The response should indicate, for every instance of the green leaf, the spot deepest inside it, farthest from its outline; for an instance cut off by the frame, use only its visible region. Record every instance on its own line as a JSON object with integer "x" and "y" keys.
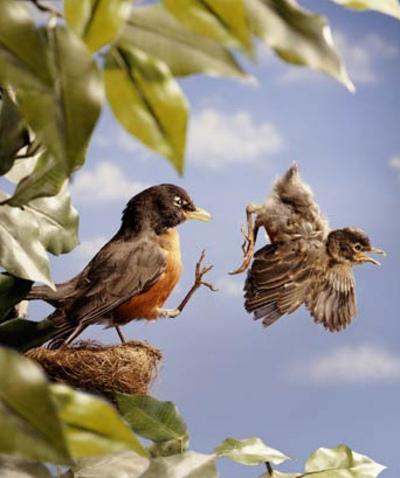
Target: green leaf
{"x": 153, "y": 419}
{"x": 12, "y": 291}
{"x": 46, "y": 179}
{"x": 12, "y": 467}
{"x": 97, "y": 22}
{"x": 30, "y": 426}
{"x": 186, "y": 465}
{"x": 341, "y": 462}
{"x": 147, "y": 101}
{"x": 22, "y": 334}
{"x": 23, "y": 61}
{"x": 297, "y": 36}
{"x": 155, "y": 31}
{"x": 13, "y": 132}
{"x": 57, "y": 218}
{"x": 250, "y": 451}
{"x": 170, "y": 447}
{"x": 62, "y": 116}
{"x": 58, "y": 222}
{"x": 388, "y": 7}
{"x": 117, "y": 465}
{"x": 222, "y": 20}
{"x": 22, "y": 253}
{"x": 43, "y": 224}
{"x": 92, "y": 426}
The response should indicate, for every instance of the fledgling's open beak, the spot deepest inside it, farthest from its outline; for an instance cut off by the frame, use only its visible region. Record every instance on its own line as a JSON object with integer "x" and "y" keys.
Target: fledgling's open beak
{"x": 362, "y": 257}
{"x": 199, "y": 214}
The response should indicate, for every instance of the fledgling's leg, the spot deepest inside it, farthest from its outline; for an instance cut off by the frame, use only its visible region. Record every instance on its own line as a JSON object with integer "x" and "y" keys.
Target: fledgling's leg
{"x": 250, "y": 236}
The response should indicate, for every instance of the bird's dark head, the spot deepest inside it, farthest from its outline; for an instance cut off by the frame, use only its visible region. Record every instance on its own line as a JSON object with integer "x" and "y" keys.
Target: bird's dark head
{"x": 351, "y": 245}
{"x": 160, "y": 208}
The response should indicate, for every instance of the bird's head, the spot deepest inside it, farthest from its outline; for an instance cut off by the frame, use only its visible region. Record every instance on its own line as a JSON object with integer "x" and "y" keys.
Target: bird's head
{"x": 351, "y": 245}
{"x": 161, "y": 207}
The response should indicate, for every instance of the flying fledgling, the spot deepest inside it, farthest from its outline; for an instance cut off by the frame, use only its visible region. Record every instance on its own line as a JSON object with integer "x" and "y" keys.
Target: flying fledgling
{"x": 305, "y": 263}
{"x": 131, "y": 276}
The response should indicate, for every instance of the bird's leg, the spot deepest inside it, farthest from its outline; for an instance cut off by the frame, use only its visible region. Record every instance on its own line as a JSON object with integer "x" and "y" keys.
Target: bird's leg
{"x": 120, "y": 334}
{"x": 78, "y": 330}
{"x": 250, "y": 237}
{"x": 200, "y": 271}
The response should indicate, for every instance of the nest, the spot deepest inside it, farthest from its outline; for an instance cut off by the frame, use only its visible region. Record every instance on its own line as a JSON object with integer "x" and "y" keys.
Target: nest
{"x": 103, "y": 370}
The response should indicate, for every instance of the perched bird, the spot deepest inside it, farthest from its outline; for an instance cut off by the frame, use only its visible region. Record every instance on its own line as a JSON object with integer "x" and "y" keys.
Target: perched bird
{"x": 134, "y": 273}
{"x": 305, "y": 263}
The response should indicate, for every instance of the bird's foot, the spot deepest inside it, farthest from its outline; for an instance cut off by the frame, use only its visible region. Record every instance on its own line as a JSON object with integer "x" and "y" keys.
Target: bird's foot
{"x": 249, "y": 238}
{"x": 168, "y": 313}
{"x": 200, "y": 272}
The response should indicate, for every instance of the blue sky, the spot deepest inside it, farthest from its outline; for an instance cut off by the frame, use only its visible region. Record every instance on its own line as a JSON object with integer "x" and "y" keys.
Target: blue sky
{"x": 295, "y": 385}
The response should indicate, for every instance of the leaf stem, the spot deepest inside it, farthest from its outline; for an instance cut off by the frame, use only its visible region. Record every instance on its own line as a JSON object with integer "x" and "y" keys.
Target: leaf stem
{"x": 269, "y": 468}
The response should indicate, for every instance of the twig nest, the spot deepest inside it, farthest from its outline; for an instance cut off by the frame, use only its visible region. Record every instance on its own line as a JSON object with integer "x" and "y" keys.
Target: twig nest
{"x": 101, "y": 369}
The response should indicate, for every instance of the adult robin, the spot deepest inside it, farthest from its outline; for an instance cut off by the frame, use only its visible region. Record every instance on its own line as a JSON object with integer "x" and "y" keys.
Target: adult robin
{"x": 305, "y": 263}
{"x": 134, "y": 273}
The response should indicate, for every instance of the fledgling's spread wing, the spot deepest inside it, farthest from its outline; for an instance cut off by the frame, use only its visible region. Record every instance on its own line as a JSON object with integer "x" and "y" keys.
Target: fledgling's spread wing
{"x": 332, "y": 301}
{"x": 291, "y": 211}
{"x": 278, "y": 281}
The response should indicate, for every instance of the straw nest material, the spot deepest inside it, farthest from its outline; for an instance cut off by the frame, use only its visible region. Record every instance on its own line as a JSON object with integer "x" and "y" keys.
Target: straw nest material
{"x": 101, "y": 369}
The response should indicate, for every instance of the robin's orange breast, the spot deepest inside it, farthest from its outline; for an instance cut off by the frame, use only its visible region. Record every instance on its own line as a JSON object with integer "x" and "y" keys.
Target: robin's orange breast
{"x": 146, "y": 305}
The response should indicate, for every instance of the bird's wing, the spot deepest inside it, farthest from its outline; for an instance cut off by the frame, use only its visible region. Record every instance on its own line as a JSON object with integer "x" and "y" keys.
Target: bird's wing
{"x": 291, "y": 211}
{"x": 118, "y": 272}
{"x": 332, "y": 301}
{"x": 279, "y": 279}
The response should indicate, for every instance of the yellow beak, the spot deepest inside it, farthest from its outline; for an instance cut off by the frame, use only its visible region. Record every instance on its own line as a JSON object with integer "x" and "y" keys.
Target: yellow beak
{"x": 199, "y": 214}
{"x": 362, "y": 257}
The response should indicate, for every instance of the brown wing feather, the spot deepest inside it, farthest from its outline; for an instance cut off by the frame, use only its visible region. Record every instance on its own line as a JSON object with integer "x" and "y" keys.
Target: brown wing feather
{"x": 279, "y": 279}
{"x": 119, "y": 271}
{"x": 332, "y": 302}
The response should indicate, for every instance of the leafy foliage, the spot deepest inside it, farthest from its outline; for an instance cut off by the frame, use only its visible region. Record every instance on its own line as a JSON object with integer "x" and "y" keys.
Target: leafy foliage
{"x": 22, "y": 334}
{"x": 297, "y": 36}
{"x": 251, "y": 451}
{"x": 388, "y": 7}
{"x": 221, "y": 20}
{"x": 12, "y": 291}
{"x": 92, "y": 426}
{"x": 144, "y": 97}
{"x": 13, "y": 132}
{"x": 56, "y": 424}
{"x": 30, "y": 425}
{"x": 341, "y": 462}
{"x": 96, "y": 22}
{"x": 155, "y": 31}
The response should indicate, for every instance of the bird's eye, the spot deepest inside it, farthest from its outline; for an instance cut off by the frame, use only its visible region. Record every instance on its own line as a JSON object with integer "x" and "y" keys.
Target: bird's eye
{"x": 178, "y": 201}
{"x": 358, "y": 247}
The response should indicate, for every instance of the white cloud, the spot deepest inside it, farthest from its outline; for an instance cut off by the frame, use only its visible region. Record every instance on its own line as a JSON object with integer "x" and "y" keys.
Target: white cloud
{"x": 89, "y": 247}
{"x": 352, "y": 365}
{"x": 217, "y": 139}
{"x": 230, "y": 287}
{"x": 394, "y": 163}
{"x": 361, "y": 58}
{"x": 106, "y": 182}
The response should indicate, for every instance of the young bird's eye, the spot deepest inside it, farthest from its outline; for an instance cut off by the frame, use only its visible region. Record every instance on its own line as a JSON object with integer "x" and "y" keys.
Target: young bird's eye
{"x": 358, "y": 247}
